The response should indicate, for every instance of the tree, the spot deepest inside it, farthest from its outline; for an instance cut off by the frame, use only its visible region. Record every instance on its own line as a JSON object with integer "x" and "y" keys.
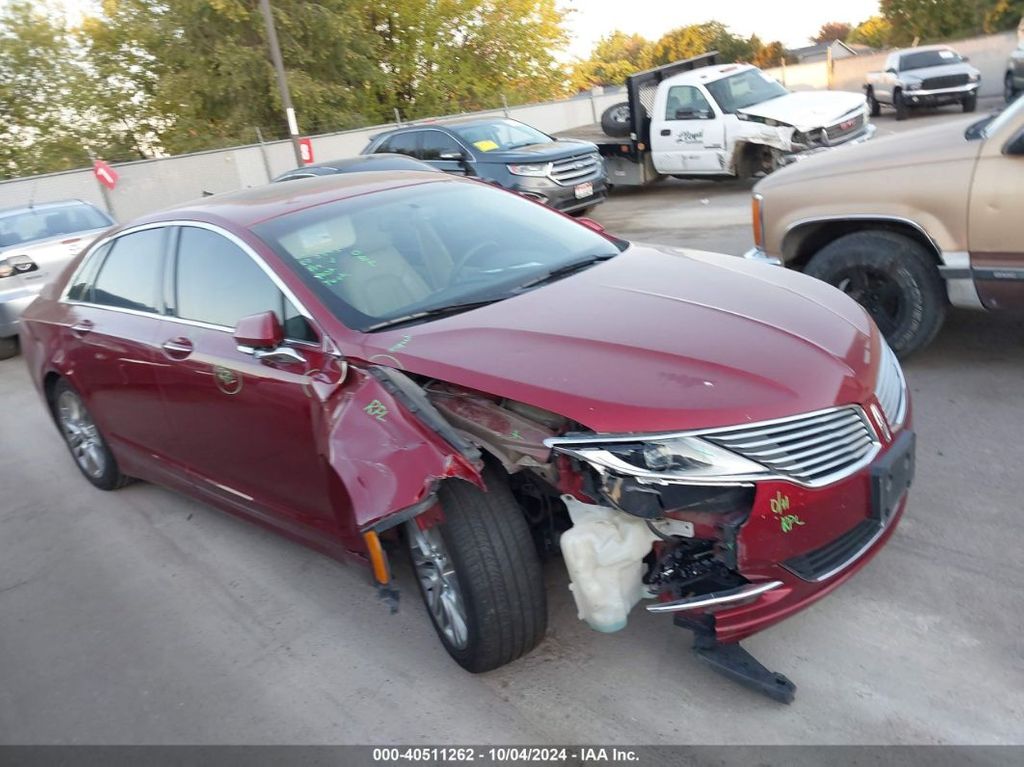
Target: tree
{"x": 770, "y": 55}
{"x": 933, "y": 20}
{"x": 613, "y": 58}
{"x": 687, "y": 42}
{"x": 875, "y": 32}
{"x": 1004, "y": 15}
{"x": 832, "y": 30}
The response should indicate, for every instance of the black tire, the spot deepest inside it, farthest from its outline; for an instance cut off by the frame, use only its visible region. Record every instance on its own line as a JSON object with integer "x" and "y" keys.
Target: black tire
{"x": 900, "y": 105}
{"x": 616, "y": 119}
{"x": 970, "y": 103}
{"x": 498, "y": 574}
{"x": 873, "y": 105}
{"x": 108, "y": 476}
{"x": 894, "y": 278}
{"x": 8, "y": 347}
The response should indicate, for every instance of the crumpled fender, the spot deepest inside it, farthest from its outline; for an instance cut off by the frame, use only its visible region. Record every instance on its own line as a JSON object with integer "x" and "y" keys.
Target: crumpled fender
{"x": 391, "y": 448}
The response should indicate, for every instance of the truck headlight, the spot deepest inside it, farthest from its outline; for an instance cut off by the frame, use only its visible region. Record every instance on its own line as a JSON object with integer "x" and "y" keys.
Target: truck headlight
{"x": 530, "y": 169}
{"x": 974, "y": 77}
{"x": 16, "y": 265}
{"x": 911, "y": 85}
{"x": 664, "y": 459}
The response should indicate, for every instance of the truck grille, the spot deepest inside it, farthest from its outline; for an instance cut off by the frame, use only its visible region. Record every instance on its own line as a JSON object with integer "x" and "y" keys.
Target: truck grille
{"x": 576, "y": 169}
{"x": 821, "y": 563}
{"x": 845, "y": 128}
{"x": 946, "y": 81}
{"x": 814, "y": 449}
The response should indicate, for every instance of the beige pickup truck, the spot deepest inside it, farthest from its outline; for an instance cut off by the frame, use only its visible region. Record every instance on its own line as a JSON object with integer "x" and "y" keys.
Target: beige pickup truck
{"x": 907, "y": 224}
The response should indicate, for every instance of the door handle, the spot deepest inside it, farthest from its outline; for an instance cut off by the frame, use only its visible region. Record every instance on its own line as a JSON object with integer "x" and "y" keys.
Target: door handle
{"x": 82, "y": 328}
{"x": 666, "y": 131}
{"x": 177, "y": 348}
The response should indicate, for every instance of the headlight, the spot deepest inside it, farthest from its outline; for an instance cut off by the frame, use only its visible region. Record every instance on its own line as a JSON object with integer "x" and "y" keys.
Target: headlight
{"x": 911, "y": 85}
{"x": 16, "y": 265}
{"x": 664, "y": 459}
{"x": 530, "y": 169}
{"x": 891, "y": 388}
{"x": 755, "y": 119}
{"x": 974, "y": 77}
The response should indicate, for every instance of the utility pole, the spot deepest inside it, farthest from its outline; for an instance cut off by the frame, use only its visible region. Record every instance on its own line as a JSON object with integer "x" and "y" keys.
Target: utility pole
{"x": 282, "y": 80}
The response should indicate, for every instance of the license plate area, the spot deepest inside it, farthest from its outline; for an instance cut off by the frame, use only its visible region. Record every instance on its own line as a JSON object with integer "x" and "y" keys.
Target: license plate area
{"x": 891, "y": 476}
{"x": 584, "y": 190}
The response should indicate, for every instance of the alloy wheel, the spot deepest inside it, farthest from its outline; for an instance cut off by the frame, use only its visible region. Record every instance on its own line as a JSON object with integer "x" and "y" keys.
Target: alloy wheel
{"x": 441, "y": 592}
{"x": 81, "y": 434}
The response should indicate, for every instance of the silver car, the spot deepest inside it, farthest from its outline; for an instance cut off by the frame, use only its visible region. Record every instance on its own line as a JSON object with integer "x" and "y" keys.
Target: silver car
{"x": 36, "y": 242}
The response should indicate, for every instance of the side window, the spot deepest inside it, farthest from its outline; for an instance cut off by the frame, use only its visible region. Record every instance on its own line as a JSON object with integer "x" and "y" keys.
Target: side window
{"x": 686, "y": 102}
{"x": 131, "y": 273}
{"x": 81, "y": 288}
{"x": 402, "y": 143}
{"x": 893, "y": 62}
{"x": 217, "y": 282}
{"x": 436, "y": 143}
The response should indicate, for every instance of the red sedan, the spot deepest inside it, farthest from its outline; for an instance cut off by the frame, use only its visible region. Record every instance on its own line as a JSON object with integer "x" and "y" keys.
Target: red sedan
{"x": 382, "y": 360}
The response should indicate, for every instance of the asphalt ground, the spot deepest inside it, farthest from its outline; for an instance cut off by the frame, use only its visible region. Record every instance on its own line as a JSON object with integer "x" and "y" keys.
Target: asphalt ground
{"x": 143, "y": 617}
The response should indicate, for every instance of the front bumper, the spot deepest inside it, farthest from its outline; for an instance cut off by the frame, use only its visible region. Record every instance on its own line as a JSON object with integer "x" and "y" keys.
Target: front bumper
{"x": 12, "y": 304}
{"x": 561, "y": 198}
{"x": 941, "y": 95}
{"x": 859, "y": 138}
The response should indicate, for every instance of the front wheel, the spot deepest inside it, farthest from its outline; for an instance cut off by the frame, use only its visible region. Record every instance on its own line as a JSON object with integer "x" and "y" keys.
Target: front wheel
{"x": 873, "y": 105}
{"x": 900, "y": 105}
{"x": 8, "y": 347}
{"x": 970, "y": 103}
{"x": 891, "y": 276}
{"x": 480, "y": 576}
{"x": 83, "y": 438}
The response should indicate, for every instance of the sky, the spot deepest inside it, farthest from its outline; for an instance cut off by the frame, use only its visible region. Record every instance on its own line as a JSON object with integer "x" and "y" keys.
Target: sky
{"x": 791, "y": 22}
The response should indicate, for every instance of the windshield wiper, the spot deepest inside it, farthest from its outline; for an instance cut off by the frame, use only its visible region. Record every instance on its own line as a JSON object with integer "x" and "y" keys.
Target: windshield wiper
{"x": 430, "y": 314}
{"x": 565, "y": 270}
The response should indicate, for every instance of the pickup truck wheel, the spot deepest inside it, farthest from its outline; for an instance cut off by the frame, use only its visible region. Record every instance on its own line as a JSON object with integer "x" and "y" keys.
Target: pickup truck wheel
{"x": 900, "y": 105}
{"x": 615, "y": 120}
{"x": 84, "y": 440}
{"x": 873, "y": 105}
{"x": 891, "y": 276}
{"x": 480, "y": 576}
{"x": 970, "y": 103}
{"x": 8, "y": 347}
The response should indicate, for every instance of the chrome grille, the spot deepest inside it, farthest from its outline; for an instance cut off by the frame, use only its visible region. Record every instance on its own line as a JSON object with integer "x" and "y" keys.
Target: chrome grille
{"x": 813, "y": 449}
{"x": 576, "y": 169}
{"x": 891, "y": 388}
{"x": 845, "y": 128}
{"x": 946, "y": 81}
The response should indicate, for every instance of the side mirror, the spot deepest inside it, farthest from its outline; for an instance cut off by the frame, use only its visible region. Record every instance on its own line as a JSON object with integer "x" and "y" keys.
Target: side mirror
{"x": 591, "y": 224}
{"x": 259, "y": 331}
{"x": 965, "y": 58}
{"x": 1015, "y": 146}
{"x": 694, "y": 114}
{"x": 457, "y": 156}
{"x": 891, "y": 71}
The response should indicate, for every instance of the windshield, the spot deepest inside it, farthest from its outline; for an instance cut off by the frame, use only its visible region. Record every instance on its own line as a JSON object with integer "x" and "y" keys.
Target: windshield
{"x": 923, "y": 59}
{"x": 42, "y": 223}
{"x": 393, "y": 254}
{"x": 745, "y": 89}
{"x": 500, "y": 135}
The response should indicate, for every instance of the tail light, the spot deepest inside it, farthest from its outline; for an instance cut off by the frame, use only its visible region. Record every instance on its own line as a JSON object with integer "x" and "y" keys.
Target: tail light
{"x": 16, "y": 265}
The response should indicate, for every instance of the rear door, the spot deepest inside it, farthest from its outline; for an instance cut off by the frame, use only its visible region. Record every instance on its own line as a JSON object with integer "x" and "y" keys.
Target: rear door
{"x": 690, "y": 137}
{"x": 112, "y": 322}
{"x": 250, "y": 432}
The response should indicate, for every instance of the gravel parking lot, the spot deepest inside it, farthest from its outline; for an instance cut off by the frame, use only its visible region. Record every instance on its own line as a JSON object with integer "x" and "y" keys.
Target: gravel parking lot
{"x": 143, "y": 617}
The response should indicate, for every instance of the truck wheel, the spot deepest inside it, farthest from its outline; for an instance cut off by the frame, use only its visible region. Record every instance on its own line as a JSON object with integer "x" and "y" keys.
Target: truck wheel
{"x": 83, "y": 438}
{"x": 8, "y": 347}
{"x": 970, "y": 102}
{"x": 480, "y": 576}
{"x": 891, "y": 276}
{"x": 615, "y": 120}
{"x": 900, "y": 105}
{"x": 873, "y": 105}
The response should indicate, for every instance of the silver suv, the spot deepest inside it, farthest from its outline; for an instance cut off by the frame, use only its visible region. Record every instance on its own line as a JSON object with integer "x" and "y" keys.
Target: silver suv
{"x": 36, "y": 242}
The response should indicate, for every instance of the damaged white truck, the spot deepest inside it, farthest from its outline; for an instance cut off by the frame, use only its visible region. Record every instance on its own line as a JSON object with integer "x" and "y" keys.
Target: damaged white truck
{"x": 696, "y": 118}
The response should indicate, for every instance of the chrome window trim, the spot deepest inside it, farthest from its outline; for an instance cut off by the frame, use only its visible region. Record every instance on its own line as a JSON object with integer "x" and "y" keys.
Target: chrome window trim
{"x": 285, "y": 290}
{"x": 565, "y": 444}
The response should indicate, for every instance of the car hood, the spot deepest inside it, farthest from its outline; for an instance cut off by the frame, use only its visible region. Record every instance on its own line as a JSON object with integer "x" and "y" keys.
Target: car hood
{"x": 940, "y": 70}
{"x": 546, "y": 152}
{"x": 806, "y": 110}
{"x": 931, "y": 146}
{"x": 654, "y": 340}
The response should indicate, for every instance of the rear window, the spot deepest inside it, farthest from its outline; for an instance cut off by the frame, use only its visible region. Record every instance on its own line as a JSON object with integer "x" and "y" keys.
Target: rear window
{"x": 50, "y": 221}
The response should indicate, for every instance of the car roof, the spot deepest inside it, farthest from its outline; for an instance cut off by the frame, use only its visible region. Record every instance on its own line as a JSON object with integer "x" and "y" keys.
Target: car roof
{"x": 387, "y": 161}
{"x": 447, "y": 123}
{"x": 924, "y": 49}
{"x": 708, "y": 74}
{"x": 251, "y": 206}
{"x": 42, "y": 206}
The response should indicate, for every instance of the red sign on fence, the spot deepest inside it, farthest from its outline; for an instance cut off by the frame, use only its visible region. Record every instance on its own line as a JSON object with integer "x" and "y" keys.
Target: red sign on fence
{"x": 104, "y": 174}
{"x": 306, "y": 150}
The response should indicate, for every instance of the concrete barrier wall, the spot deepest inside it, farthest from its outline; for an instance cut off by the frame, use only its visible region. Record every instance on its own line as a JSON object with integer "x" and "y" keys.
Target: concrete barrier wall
{"x": 150, "y": 185}
{"x": 802, "y": 77}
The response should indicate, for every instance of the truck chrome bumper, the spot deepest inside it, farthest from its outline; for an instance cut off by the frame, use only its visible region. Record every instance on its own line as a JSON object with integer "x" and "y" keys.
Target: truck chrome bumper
{"x": 960, "y": 90}
{"x": 715, "y": 598}
{"x": 756, "y": 254}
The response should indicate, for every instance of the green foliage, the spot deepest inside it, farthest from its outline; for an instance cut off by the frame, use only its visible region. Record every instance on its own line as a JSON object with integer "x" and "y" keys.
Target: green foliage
{"x": 1004, "y": 15}
{"x": 933, "y": 20}
{"x": 614, "y": 58}
{"x": 832, "y": 30}
{"x": 875, "y": 32}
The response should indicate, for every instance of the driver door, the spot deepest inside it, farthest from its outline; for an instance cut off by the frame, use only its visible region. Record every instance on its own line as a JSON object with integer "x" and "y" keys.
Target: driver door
{"x": 691, "y": 139}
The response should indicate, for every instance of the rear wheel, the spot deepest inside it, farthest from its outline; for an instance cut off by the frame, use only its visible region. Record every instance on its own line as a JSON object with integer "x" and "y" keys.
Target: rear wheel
{"x": 83, "y": 438}
{"x": 8, "y": 347}
{"x": 891, "y": 276}
{"x": 873, "y": 105}
{"x": 970, "y": 103}
{"x": 480, "y": 576}
{"x": 615, "y": 120}
{"x": 900, "y": 105}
